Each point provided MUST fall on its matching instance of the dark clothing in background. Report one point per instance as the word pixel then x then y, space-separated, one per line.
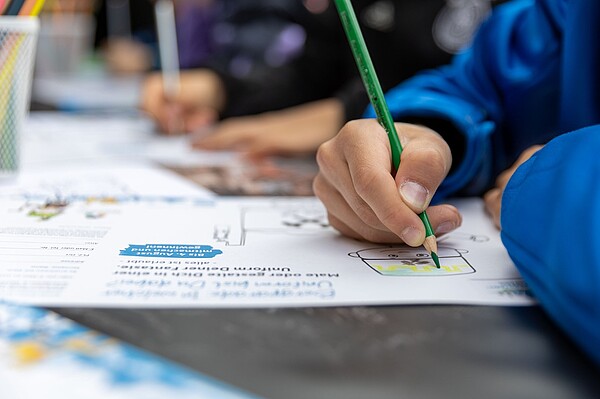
pixel 195 26
pixel 273 54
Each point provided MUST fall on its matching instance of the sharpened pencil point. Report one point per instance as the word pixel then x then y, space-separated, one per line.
pixel 436 260
pixel 430 245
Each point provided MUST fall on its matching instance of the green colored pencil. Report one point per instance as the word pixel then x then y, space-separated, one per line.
pixel 371 82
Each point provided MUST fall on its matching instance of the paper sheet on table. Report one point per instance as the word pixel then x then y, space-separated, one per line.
pixel 93 92
pixel 238 252
pixel 51 138
pixel 74 182
pixel 78 140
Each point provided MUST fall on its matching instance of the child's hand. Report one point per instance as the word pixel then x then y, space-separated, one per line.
pixel 361 196
pixel 293 131
pixel 493 198
pixel 198 103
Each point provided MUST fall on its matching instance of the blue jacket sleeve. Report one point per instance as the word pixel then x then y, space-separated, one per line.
pixel 492 92
pixel 550 217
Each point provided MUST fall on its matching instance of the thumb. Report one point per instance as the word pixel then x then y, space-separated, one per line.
pixel 424 163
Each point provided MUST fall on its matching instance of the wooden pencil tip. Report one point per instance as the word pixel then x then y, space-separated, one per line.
pixel 430 245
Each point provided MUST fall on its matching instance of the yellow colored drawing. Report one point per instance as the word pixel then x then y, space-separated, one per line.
pixel 407 261
pixel 29 352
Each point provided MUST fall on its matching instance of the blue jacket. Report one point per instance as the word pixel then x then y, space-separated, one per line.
pixel 531 74
pixel 550 216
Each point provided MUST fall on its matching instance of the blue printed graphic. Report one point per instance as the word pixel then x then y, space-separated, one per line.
pixel 37 342
pixel 170 251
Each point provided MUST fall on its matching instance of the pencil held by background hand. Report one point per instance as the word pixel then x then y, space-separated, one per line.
pixel 169 56
pixel 377 99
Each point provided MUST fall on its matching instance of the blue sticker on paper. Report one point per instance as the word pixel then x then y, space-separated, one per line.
pixel 171 251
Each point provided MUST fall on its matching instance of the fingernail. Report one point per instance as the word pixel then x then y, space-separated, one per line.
pixel 415 194
pixel 411 236
pixel 445 227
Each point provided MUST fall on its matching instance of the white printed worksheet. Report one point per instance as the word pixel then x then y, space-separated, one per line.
pixel 160 251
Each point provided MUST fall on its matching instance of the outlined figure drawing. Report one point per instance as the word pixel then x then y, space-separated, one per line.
pixel 408 261
pixel 297 219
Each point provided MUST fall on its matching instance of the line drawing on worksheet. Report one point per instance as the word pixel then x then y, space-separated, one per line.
pixel 390 260
pixel 402 260
pixel 293 219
